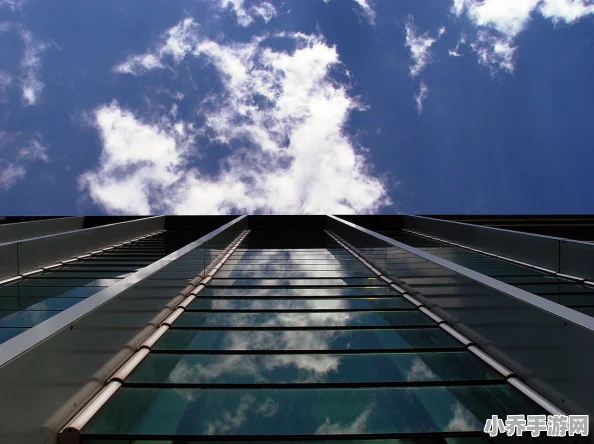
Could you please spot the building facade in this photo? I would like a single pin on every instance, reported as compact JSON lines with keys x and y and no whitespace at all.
{"x":382,"y":329}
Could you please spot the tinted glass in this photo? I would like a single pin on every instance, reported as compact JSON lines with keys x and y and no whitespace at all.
{"x":312,"y":369}
{"x":298,"y":292}
{"x":288,"y":412}
{"x":319,"y":319}
{"x":300,"y":304}
{"x":295,"y":282}
{"x":306,"y":340}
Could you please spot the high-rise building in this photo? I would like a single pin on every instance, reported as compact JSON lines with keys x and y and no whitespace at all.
{"x":383,"y":329}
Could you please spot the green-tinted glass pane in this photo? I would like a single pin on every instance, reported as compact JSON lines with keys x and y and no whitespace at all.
{"x":25,"y":319}
{"x":295,"y":282}
{"x":299,"y":292}
{"x":72,"y":274}
{"x":70,"y":282}
{"x":305,"y":320}
{"x":52,"y":303}
{"x":554,"y":289}
{"x":179,"y":283}
{"x":282,"y":267}
{"x":9,"y":333}
{"x":402,"y":339}
{"x":321,"y":368}
{"x":349,"y":262}
{"x":222,"y":412}
{"x":300,"y":304}
{"x":293,"y":274}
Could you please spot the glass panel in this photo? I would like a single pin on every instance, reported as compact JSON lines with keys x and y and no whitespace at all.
{"x":281,"y":267}
{"x":71,"y":282}
{"x":347,"y":261}
{"x":304,"y":320}
{"x":298,"y":292}
{"x":222,"y":412}
{"x":294,"y":282}
{"x":9,"y":333}
{"x":54,"y":304}
{"x":289,"y":274}
{"x":24,"y":319}
{"x":100,"y":267}
{"x":325,"y":368}
{"x":72,"y":274}
{"x":307,"y":340}
{"x":178,"y":283}
{"x":553,"y":289}
{"x":300,"y":304}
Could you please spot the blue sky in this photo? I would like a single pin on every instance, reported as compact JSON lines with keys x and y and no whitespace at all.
{"x":296,"y":106}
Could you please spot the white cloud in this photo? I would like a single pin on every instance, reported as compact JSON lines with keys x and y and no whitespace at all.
{"x":420,"y":49}
{"x":567,"y":11}
{"x":10,"y":173}
{"x":30,"y":82}
{"x":419,"y":46}
{"x":357,"y":427}
{"x":456,"y":51}
{"x":13,"y":4}
{"x":493,"y":51}
{"x":16,"y":157}
{"x":6,"y":81}
{"x":175,"y":43}
{"x":367,"y":10}
{"x":246,"y":16}
{"x":462,"y":420}
{"x":500,"y":21}
{"x":34,"y":150}
{"x":282,"y":109}
{"x":421,"y":96}
{"x":138,"y":159}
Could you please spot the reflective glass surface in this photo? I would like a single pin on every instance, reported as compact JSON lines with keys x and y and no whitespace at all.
{"x":226,"y":340}
{"x":353,"y":282}
{"x":293,"y":274}
{"x":312,"y":369}
{"x":305,"y":320}
{"x":299,"y":292}
{"x":287,"y":343}
{"x":300,"y":304}
{"x":534,"y":281}
{"x":288,"y":412}
{"x":36,"y":299}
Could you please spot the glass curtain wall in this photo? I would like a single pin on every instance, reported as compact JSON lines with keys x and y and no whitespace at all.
{"x":546,"y":285}
{"x":295,"y":339}
{"x":35,"y":299}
